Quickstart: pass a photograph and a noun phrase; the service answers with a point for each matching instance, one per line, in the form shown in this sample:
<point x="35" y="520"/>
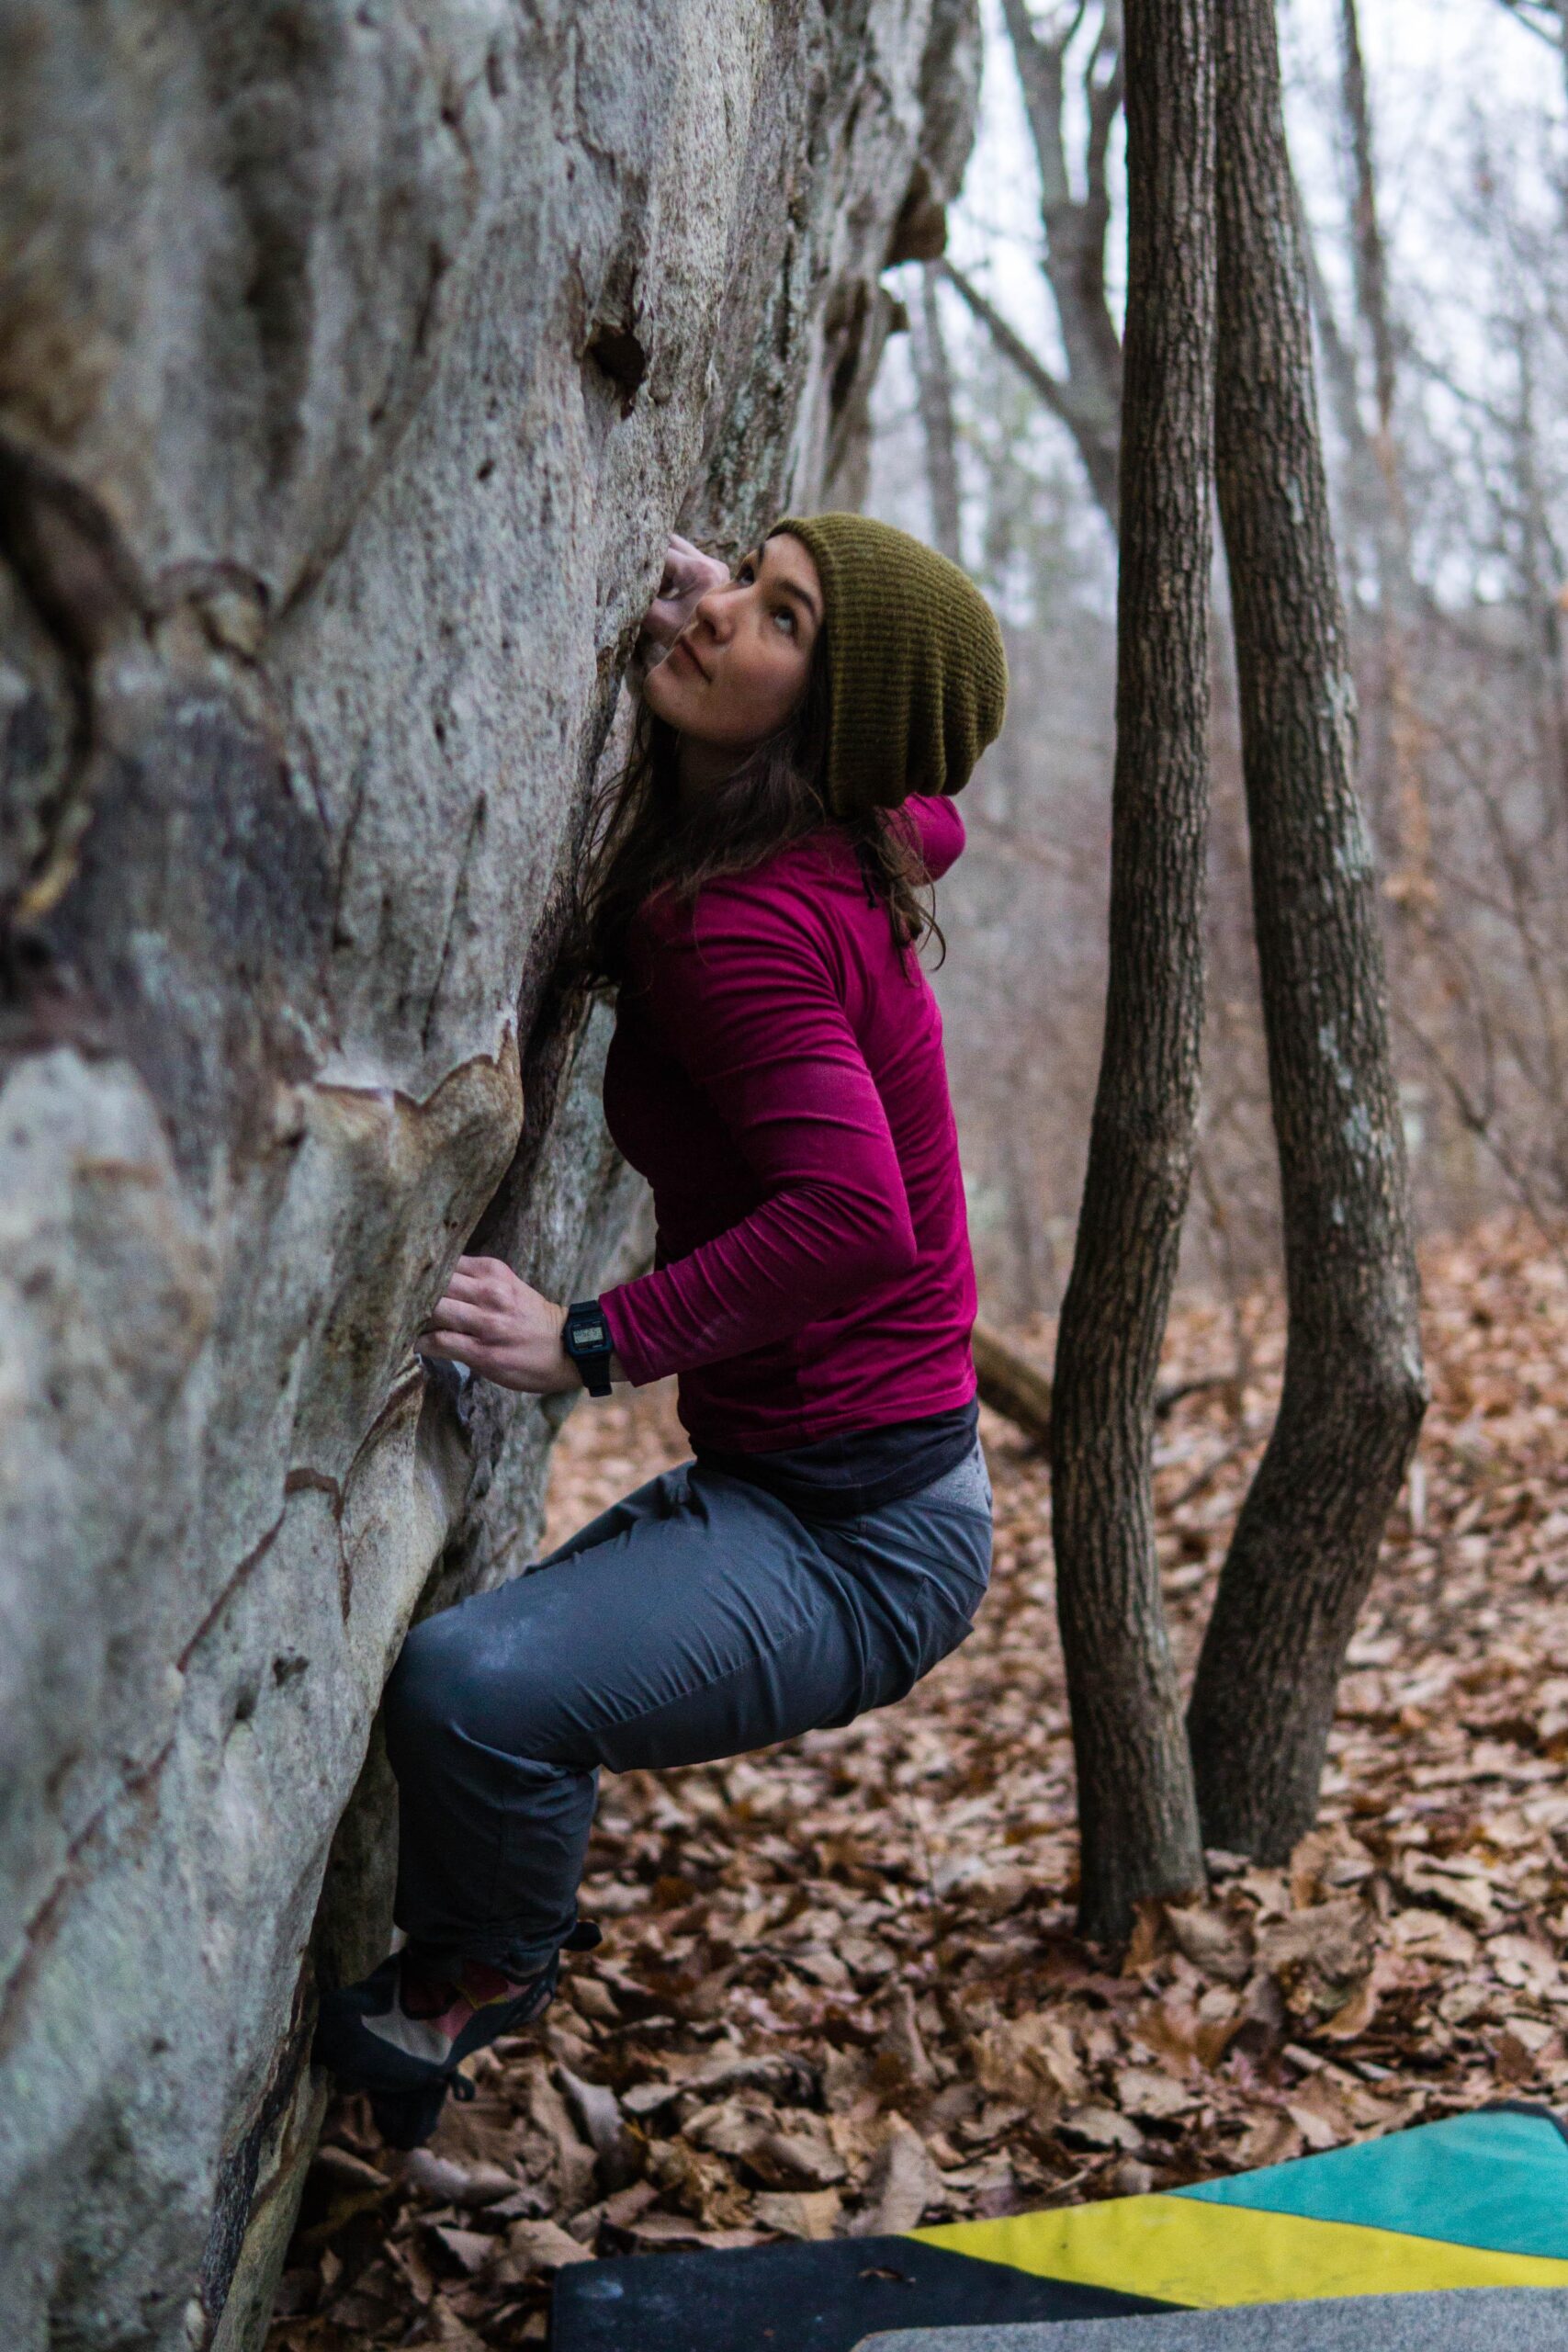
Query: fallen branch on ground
<point x="1012" y="1386"/>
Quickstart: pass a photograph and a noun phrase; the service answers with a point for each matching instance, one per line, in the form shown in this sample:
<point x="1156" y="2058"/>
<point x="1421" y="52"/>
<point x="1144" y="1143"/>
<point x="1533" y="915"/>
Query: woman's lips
<point x="680" y="650"/>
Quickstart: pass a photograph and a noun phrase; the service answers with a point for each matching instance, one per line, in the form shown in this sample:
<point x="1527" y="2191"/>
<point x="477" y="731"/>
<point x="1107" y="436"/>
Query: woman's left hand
<point x="688" y="576"/>
<point x="501" y="1330"/>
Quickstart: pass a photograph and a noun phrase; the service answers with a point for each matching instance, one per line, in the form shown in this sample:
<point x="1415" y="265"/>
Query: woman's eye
<point x="746" y="573"/>
<point x="782" y="613"/>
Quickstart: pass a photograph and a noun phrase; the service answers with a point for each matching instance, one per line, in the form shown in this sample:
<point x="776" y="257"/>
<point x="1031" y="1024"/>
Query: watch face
<point x="590" y="1334"/>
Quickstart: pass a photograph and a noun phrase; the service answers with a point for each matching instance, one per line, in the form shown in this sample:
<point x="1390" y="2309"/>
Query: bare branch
<point x="1039" y="66"/>
<point x="1544" y="17"/>
<point x="1098" y="452"/>
<point x="1103" y="94"/>
<point x="1075" y="227"/>
<point x="1011" y="1384"/>
<point x="933" y="382"/>
<point x="1009" y="341"/>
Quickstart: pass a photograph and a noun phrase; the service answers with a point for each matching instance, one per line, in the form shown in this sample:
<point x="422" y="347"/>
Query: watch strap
<point x="585" y="1335"/>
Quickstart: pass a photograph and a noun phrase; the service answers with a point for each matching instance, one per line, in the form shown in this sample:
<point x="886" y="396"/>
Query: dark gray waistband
<point x="858" y="1470"/>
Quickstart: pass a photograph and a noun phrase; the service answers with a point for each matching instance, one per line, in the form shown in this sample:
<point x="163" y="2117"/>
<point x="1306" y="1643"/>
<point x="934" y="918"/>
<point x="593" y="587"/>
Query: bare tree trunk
<point x="933" y="386"/>
<point x="1397" y="601"/>
<point x="1075" y="211"/>
<point x="1366" y="241"/>
<point x="1307" y="1539"/>
<point x="1135" y="1795"/>
<point x="1540" y="572"/>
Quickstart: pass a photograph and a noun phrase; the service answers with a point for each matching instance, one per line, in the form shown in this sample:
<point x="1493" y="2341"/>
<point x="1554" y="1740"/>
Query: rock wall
<point x="356" y="357"/>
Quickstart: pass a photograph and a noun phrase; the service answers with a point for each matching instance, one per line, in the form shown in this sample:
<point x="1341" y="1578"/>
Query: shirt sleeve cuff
<point x="612" y="1306"/>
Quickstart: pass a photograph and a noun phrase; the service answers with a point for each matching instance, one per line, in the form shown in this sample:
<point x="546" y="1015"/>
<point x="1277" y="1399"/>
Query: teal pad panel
<point x="1497" y="2178"/>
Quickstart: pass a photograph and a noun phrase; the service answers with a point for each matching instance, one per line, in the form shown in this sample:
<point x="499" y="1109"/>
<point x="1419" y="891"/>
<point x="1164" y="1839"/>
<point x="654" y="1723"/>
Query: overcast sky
<point x="1470" y="113"/>
<point x="1434" y="66"/>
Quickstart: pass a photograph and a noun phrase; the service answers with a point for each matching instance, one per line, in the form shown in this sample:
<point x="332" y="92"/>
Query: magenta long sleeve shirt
<point x="776" y="1073"/>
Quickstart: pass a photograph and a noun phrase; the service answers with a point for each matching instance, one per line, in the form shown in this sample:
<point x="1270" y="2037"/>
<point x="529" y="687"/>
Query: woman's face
<point x="739" y="668"/>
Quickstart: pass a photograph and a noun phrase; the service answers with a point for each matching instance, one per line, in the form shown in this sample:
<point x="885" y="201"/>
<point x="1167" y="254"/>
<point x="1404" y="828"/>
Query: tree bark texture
<point x="1306" y="1542"/>
<point x="1136" y="1807"/>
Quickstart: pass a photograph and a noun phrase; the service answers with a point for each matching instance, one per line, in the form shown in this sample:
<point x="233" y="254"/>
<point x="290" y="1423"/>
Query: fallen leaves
<point x="840" y="1992"/>
<point x="446" y="2182"/>
<point x="797" y="2215"/>
<point x="901" y="2184"/>
<point x="1091" y="2126"/>
<point x="1214" y="1943"/>
<point x="1325" y="1949"/>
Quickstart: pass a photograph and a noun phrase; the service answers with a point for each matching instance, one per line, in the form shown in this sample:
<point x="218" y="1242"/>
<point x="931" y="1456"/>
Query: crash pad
<point x="1474" y="2202"/>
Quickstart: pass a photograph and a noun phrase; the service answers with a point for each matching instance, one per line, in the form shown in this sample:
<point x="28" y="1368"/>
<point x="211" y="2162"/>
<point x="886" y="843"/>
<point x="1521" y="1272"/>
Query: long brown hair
<point x="641" y="839"/>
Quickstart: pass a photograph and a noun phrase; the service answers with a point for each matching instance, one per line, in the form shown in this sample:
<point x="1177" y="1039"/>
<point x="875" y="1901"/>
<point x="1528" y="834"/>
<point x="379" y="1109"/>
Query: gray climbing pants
<point x="700" y="1618"/>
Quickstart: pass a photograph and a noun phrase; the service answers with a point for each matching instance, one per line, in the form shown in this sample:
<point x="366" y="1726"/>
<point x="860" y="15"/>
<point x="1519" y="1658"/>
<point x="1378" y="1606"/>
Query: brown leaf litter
<point x="840" y="1991"/>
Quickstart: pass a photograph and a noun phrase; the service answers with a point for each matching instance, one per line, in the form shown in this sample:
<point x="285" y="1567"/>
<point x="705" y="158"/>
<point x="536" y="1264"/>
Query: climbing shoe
<point x="401" y="2033"/>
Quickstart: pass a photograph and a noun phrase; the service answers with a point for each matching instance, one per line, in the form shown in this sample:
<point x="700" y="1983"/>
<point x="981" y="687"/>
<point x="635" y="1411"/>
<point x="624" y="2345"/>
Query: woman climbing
<point x="776" y="1072"/>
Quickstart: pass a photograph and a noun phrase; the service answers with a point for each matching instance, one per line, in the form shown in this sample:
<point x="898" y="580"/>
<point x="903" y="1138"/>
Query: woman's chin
<point x="670" y="696"/>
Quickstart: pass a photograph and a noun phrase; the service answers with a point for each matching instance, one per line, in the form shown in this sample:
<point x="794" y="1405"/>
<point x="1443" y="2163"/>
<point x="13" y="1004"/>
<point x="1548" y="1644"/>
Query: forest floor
<point x="840" y="1989"/>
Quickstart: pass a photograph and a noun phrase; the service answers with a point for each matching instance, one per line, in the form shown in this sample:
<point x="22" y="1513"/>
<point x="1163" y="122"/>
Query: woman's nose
<point x="712" y="616"/>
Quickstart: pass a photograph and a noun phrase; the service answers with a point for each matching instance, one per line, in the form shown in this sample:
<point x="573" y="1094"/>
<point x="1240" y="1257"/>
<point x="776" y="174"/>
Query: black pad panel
<point x="814" y="2298"/>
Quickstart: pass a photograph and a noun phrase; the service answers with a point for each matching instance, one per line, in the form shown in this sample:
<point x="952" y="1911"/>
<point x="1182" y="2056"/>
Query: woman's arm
<point x="742" y="993"/>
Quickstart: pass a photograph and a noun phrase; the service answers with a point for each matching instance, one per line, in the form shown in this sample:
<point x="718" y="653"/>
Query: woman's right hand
<point x="688" y="576"/>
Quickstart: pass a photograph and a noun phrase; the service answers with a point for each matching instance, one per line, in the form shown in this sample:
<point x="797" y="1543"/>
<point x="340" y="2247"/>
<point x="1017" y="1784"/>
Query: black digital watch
<point x="586" y="1339"/>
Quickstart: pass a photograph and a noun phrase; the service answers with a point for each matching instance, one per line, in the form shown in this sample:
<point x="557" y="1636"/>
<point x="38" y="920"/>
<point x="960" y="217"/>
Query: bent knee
<point x="454" y="1681"/>
<point x="425" y="1691"/>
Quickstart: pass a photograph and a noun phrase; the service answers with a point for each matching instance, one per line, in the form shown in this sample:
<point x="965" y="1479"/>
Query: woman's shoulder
<point x="928" y="821"/>
<point x="935" y="828"/>
<point x="803" y="889"/>
<point x="782" y="903"/>
<point x="791" y="877"/>
<point x="772" y="886"/>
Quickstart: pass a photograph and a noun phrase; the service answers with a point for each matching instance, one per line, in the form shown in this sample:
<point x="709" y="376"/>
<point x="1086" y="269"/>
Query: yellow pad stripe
<point x="1179" y="2250"/>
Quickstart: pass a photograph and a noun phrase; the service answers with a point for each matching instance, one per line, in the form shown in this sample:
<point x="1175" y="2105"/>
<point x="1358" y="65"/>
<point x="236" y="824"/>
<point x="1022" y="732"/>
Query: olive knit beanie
<point x="918" y="679"/>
